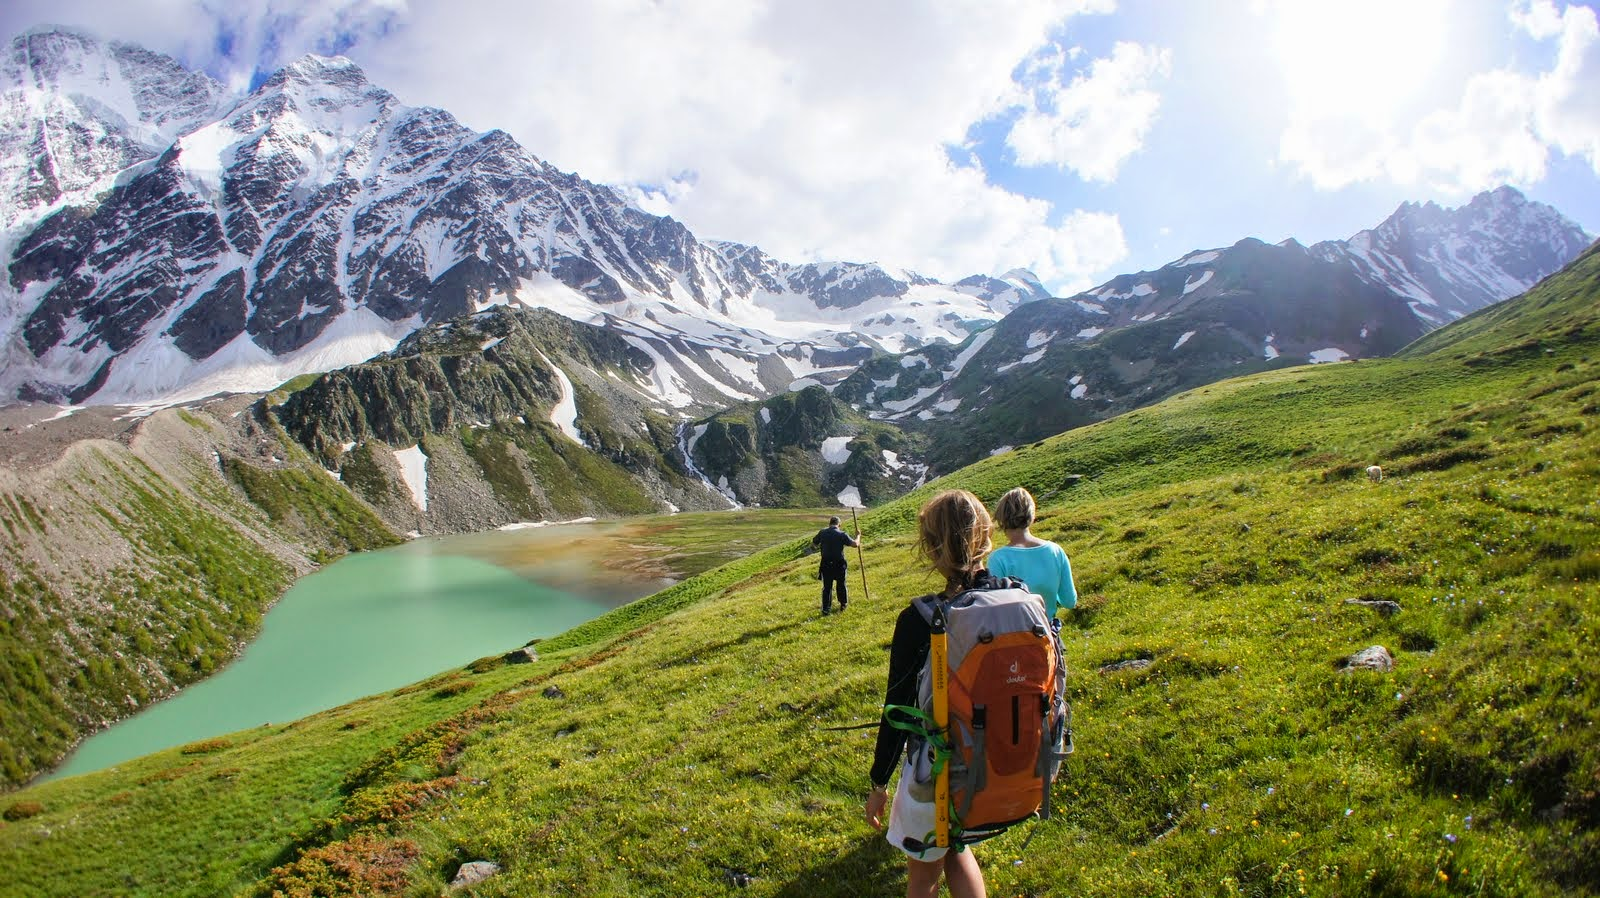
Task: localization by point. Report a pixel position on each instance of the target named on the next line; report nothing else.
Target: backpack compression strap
(939, 667)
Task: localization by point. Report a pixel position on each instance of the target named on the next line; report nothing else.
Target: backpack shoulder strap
(924, 606)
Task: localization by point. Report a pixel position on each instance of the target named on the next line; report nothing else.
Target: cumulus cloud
(818, 130)
(1094, 123)
(1501, 129)
(815, 130)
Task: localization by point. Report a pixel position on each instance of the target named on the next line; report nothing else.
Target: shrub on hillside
(22, 810)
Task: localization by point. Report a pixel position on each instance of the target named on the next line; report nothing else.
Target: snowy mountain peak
(316, 221)
(75, 110)
(1026, 279)
(1451, 262)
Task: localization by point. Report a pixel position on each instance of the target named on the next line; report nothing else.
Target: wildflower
(1450, 837)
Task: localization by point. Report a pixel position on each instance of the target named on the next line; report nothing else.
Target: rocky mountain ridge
(1056, 364)
(508, 415)
(318, 220)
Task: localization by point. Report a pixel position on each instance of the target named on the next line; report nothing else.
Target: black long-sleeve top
(908, 652)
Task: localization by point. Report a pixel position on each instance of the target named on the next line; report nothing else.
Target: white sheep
(1374, 473)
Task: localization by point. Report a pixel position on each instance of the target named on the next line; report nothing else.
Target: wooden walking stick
(861, 560)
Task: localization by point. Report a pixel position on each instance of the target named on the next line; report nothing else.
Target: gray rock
(554, 692)
(1371, 658)
(473, 872)
(1130, 664)
(525, 655)
(1384, 607)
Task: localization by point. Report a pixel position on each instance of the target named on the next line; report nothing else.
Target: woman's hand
(876, 801)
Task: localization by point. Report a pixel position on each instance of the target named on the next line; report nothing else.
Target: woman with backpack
(1041, 564)
(953, 536)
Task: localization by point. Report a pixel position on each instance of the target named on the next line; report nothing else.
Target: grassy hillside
(676, 746)
(129, 571)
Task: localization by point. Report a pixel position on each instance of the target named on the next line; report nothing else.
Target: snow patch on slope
(835, 450)
(565, 413)
(414, 471)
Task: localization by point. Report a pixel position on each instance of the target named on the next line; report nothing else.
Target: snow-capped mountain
(1055, 364)
(1448, 263)
(318, 220)
(74, 111)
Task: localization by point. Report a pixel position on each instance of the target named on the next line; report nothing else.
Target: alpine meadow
(1232, 555)
(427, 429)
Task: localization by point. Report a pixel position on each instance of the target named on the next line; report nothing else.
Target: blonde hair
(953, 535)
(1015, 510)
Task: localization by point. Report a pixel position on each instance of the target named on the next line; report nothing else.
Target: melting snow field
(1028, 359)
(1270, 351)
(565, 414)
(1194, 284)
(1183, 339)
(414, 470)
(1323, 356)
(1198, 258)
(850, 497)
(835, 450)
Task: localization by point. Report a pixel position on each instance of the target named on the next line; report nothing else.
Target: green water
(376, 621)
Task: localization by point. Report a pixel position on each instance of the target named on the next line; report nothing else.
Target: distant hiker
(833, 541)
(1039, 563)
(953, 534)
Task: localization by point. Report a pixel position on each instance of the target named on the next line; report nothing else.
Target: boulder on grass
(1371, 658)
(473, 872)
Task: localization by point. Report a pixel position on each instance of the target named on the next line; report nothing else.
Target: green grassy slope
(676, 746)
(128, 572)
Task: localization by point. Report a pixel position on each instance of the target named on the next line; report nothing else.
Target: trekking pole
(938, 665)
(861, 560)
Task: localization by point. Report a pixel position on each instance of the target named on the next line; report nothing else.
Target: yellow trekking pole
(938, 663)
(861, 560)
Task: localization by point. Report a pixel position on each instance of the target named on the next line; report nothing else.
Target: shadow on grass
(869, 867)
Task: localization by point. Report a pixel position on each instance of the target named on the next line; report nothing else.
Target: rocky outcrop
(803, 449)
(507, 415)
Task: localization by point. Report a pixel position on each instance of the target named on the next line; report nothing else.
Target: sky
(1079, 139)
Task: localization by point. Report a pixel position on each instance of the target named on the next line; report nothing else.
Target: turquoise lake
(375, 621)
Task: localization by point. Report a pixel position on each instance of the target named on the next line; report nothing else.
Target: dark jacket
(833, 542)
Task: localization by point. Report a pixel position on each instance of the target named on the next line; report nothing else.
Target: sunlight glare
(1357, 57)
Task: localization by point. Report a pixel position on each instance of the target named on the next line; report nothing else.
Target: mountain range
(1056, 364)
(165, 240)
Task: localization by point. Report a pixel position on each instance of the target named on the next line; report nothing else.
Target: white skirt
(909, 818)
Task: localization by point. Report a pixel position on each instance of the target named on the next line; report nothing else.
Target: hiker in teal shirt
(1039, 563)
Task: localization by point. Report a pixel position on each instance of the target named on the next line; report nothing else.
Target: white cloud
(1500, 129)
(816, 130)
(1093, 124)
(1567, 98)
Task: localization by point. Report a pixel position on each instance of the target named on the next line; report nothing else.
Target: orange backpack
(1009, 724)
